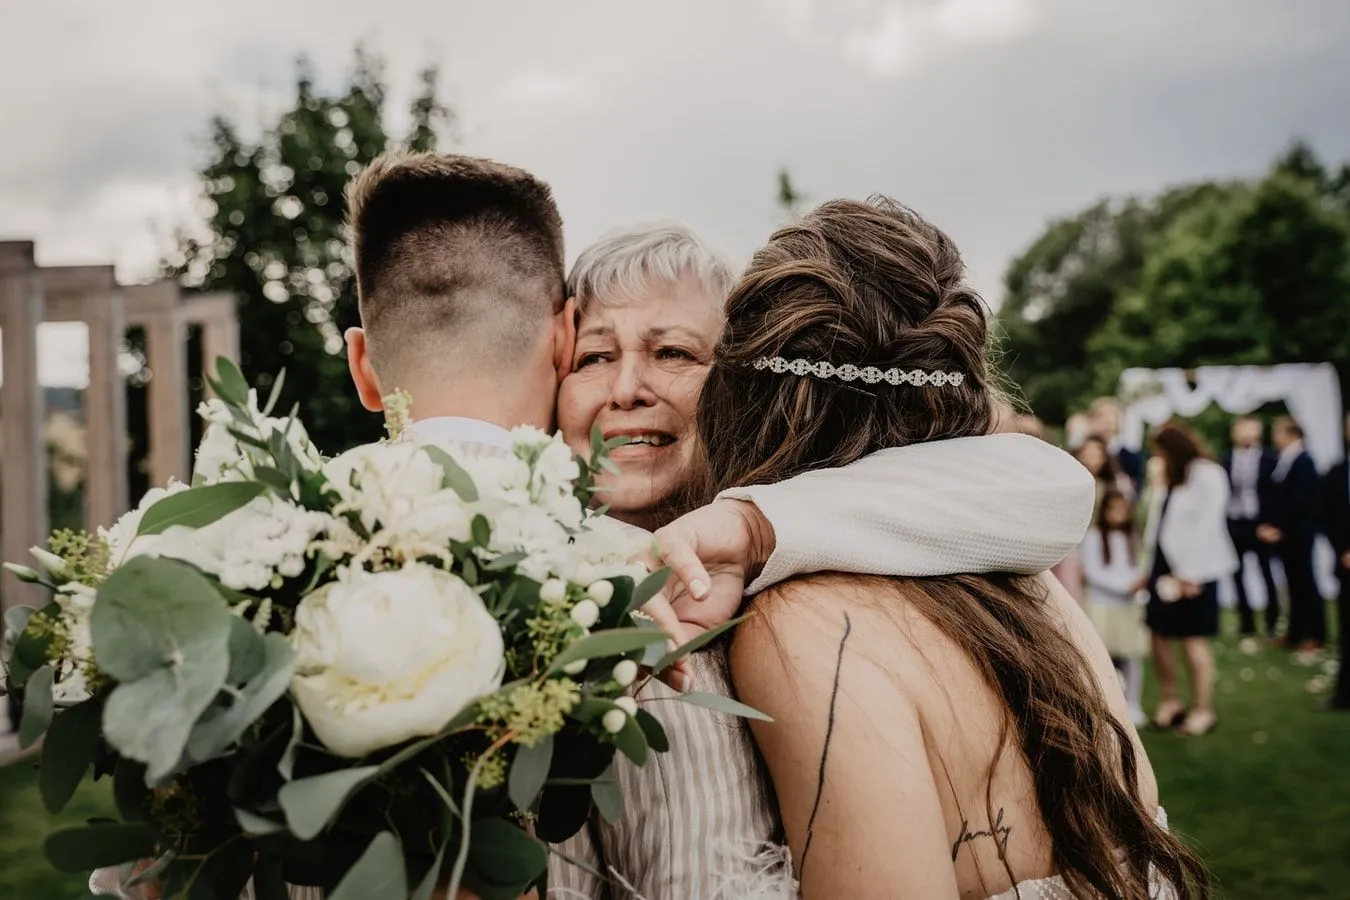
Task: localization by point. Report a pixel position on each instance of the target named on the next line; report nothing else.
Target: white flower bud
(553, 590)
(575, 668)
(601, 592)
(50, 561)
(23, 573)
(614, 721)
(625, 672)
(584, 574)
(586, 613)
(627, 704)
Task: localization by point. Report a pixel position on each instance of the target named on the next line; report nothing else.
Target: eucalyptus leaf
(286, 765)
(16, 618)
(503, 855)
(269, 880)
(275, 394)
(311, 803)
(631, 741)
(441, 792)
(528, 773)
(615, 642)
(229, 383)
(247, 651)
(151, 612)
(225, 872)
(453, 475)
(37, 707)
(154, 870)
(378, 873)
(505, 561)
(150, 720)
(648, 588)
(256, 825)
(274, 478)
(72, 741)
(250, 440)
(130, 794)
(697, 643)
(433, 876)
(608, 799)
(718, 703)
(214, 735)
(99, 846)
(199, 506)
(481, 531)
(653, 731)
(31, 647)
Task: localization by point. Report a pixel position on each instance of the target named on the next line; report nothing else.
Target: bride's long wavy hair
(874, 283)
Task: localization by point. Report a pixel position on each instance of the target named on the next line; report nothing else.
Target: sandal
(1198, 723)
(1170, 714)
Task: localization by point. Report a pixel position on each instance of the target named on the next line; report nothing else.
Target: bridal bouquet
(403, 666)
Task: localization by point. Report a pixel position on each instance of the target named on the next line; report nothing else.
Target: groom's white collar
(458, 428)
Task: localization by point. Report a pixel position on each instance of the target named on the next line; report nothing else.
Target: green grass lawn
(1266, 797)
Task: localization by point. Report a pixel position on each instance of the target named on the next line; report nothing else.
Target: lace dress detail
(1054, 887)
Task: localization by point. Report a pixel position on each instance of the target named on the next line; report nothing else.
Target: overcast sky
(989, 116)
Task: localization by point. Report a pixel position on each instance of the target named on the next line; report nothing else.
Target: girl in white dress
(1110, 555)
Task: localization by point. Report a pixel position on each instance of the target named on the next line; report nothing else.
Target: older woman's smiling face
(639, 366)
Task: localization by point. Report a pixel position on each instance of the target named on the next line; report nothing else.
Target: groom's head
(459, 273)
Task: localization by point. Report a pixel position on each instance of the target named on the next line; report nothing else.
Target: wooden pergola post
(30, 294)
(23, 466)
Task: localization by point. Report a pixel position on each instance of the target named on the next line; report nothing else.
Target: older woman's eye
(587, 359)
(675, 353)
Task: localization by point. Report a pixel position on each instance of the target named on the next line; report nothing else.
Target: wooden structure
(29, 295)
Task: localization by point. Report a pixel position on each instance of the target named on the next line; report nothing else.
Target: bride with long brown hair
(932, 737)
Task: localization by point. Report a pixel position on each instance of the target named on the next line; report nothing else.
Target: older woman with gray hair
(699, 821)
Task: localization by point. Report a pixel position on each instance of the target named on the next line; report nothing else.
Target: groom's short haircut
(459, 262)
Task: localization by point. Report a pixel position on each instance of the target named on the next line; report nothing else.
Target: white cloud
(902, 35)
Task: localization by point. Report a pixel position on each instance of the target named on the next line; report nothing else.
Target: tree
(1260, 277)
(275, 237)
(1061, 291)
(789, 199)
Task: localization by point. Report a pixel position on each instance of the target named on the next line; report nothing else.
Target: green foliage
(1212, 273)
(273, 235)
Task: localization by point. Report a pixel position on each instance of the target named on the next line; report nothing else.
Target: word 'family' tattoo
(998, 831)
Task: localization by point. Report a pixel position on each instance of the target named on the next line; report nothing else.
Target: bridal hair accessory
(850, 372)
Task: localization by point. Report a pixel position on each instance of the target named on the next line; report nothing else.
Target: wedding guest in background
(1029, 423)
(1110, 556)
(1077, 428)
(1336, 525)
(1095, 455)
(1191, 552)
(1289, 525)
(1251, 470)
(1106, 413)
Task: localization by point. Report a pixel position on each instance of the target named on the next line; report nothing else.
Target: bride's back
(938, 737)
(902, 672)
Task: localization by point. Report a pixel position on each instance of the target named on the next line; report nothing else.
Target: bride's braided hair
(875, 284)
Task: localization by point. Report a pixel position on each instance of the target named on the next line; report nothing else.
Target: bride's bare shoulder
(795, 624)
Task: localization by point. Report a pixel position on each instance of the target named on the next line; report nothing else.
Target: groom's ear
(565, 338)
(363, 375)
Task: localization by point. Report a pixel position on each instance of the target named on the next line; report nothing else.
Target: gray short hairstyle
(626, 260)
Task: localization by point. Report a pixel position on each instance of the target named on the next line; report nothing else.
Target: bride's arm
(1001, 502)
(858, 799)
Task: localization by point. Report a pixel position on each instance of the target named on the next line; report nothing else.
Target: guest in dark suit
(1106, 413)
(1336, 525)
(1290, 526)
(1251, 470)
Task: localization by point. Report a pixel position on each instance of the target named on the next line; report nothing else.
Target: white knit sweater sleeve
(1002, 502)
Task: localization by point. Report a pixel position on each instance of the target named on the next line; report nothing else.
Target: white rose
(388, 656)
(383, 482)
(120, 537)
(532, 531)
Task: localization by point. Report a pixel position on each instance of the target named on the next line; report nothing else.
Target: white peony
(388, 656)
(247, 548)
(121, 536)
(532, 531)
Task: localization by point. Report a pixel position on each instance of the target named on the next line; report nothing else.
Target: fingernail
(698, 588)
(683, 683)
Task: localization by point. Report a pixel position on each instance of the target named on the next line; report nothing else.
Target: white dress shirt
(1246, 477)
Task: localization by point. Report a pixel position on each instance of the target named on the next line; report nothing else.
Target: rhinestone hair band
(850, 372)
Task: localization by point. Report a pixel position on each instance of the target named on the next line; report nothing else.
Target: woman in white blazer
(1192, 552)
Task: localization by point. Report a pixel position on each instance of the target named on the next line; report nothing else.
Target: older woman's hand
(712, 553)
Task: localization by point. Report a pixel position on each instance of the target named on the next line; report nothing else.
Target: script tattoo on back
(998, 831)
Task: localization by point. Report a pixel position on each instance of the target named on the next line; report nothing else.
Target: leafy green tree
(274, 236)
(1067, 284)
(1260, 277)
